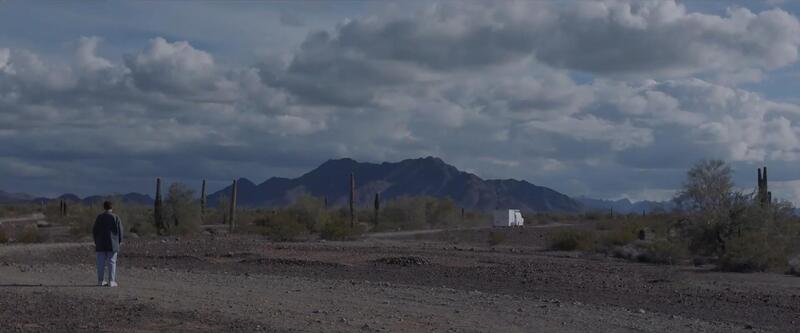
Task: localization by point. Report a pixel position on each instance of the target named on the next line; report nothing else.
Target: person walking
(107, 233)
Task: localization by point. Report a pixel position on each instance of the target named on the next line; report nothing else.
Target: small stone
(641, 311)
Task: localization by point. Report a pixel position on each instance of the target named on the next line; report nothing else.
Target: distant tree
(181, 211)
(708, 189)
(710, 202)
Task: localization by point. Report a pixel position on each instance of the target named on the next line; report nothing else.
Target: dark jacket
(107, 232)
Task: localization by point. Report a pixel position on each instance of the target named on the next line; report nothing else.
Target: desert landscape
(390, 282)
(400, 166)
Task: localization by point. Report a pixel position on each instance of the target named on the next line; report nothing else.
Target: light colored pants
(110, 259)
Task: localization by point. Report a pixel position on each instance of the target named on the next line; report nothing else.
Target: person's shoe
(113, 284)
(102, 283)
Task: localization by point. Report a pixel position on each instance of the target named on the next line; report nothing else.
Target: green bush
(181, 210)
(621, 233)
(338, 228)
(280, 227)
(142, 228)
(571, 240)
(416, 213)
(753, 252)
(30, 234)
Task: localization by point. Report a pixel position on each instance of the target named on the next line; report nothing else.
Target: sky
(607, 99)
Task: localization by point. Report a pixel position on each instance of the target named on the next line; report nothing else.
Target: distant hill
(428, 176)
(6, 197)
(624, 206)
(130, 198)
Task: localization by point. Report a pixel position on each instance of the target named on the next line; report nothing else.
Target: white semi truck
(508, 218)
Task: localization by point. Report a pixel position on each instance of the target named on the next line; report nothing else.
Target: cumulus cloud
(86, 57)
(498, 89)
(173, 67)
(642, 38)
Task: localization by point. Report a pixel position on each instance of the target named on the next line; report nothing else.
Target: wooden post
(377, 207)
(352, 200)
(234, 190)
(158, 216)
(203, 201)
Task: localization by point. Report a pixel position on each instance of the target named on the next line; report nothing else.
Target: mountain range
(624, 206)
(428, 176)
(130, 198)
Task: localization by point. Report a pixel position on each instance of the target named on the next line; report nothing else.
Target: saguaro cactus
(203, 201)
(158, 205)
(232, 215)
(763, 195)
(325, 202)
(377, 207)
(352, 199)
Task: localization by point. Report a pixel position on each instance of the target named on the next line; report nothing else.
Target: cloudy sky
(607, 99)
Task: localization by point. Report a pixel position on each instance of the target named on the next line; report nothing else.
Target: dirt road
(29, 218)
(247, 284)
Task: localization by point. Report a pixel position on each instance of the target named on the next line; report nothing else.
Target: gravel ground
(238, 283)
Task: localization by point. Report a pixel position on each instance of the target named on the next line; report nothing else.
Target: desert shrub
(143, 228)
(30, 234)
(309, 212)
(338, 228)
(18, 209)
(663, 251)
(794, 265)
(280, 227)
(630, 252)
(621, 233)
(3, 236)
(753, 252)
(571, 240)
(403, 214)
(414, 213)
(496, 237)
(595, 216)
(181, 211)
(80, 219)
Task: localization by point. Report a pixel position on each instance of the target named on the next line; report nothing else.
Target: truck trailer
(508, 218)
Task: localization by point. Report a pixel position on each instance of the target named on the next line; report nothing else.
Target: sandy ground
(240, 283)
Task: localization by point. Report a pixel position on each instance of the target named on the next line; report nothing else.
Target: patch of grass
(30, 235)
(571, 240)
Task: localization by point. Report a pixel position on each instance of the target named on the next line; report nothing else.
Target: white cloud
(490, 87)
